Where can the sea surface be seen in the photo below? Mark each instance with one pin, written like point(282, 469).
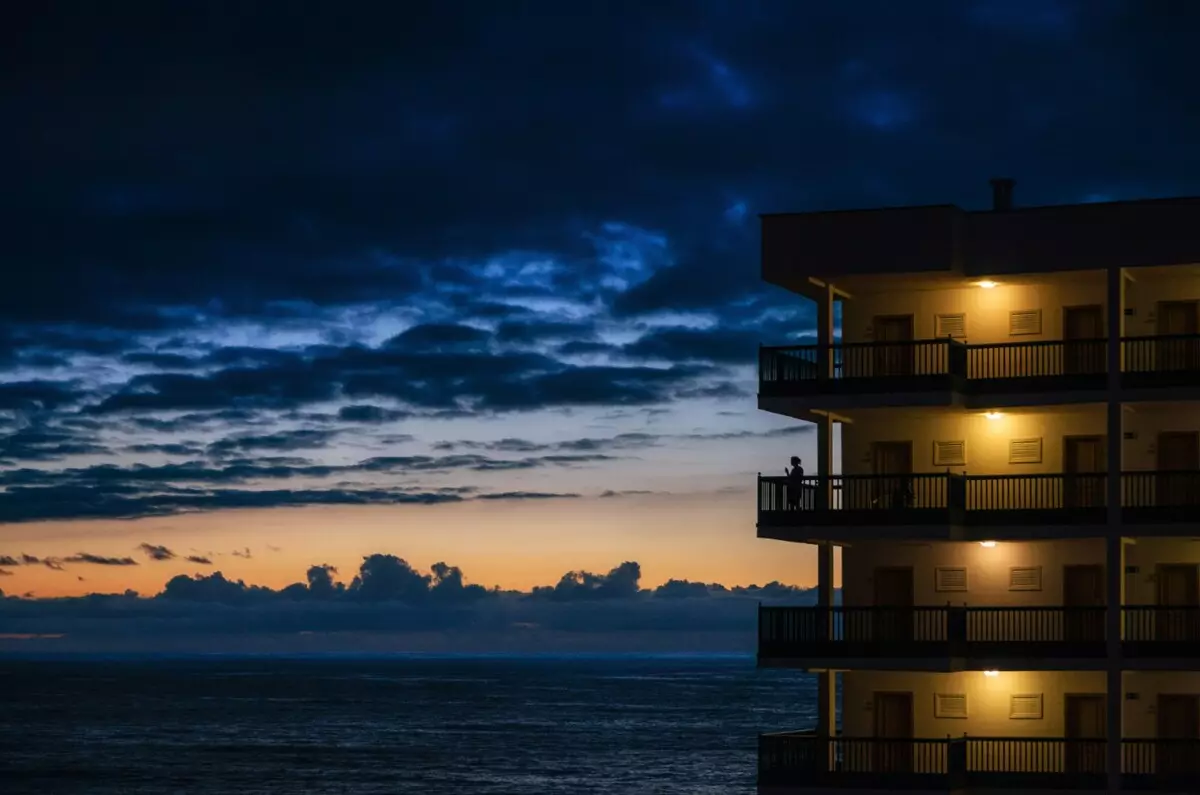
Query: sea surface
point(628, 725)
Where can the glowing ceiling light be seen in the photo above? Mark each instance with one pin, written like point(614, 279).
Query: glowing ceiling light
point(987, 544)
point(987, 284)
point(992, 415)
point(991, 673)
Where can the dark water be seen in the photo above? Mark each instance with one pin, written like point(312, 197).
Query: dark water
point(406, 725)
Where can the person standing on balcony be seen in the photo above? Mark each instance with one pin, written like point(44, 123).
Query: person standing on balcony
point(795, 484)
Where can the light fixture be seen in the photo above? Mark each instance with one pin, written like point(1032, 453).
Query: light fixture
point(991, 673)
point(992, 415)
point(987, 284)
point(987, 544)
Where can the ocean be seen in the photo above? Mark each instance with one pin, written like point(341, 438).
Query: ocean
point(622, 724)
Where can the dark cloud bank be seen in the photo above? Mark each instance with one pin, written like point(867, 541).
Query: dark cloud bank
point(389, 606)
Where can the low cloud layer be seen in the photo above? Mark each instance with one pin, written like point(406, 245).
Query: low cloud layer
point(387, 595)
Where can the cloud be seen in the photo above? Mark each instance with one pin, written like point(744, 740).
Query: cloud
point(328, 275)
point(156, 551)
point(525, 495)
point(99, 560)
point(242, 553)
point(200, 559)
point(387, 595)
point(5, 573)
point(371, 414)
point(282, 441)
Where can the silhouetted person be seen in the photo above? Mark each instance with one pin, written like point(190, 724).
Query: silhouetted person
point(795, 484)
point(904, 493)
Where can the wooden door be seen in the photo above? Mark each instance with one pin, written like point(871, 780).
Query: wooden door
point(1178, 463)
point(1178, 587)
point(1084, 348)
point(1176, 321)
point(1087, 728)
point(1178, 722)
point(893, 733)
point(1083, 595)
point(892, 466)
point(894, 351)
point(894, 598)
point(1084, 466)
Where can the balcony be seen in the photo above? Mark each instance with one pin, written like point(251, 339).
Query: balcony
point(797, 761)
point(935, 366)
point(993, 370)
point(817, 634)
point(822, 636)
point(1161, 362)
point(1160, 497)
point(862, 368)
point(1162, 632)
point(1022, 503)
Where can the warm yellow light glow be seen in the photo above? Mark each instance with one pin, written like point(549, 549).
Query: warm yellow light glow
point(993, 415)
point(991, 673)
point(988, 544)
point(987, 284)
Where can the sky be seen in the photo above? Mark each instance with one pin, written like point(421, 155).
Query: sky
point(478, 283)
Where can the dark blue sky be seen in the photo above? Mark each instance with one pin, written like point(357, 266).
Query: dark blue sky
point(429, 254)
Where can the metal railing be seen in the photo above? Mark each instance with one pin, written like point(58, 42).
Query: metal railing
point(976, 493)
point(1160, 489)
point(857, 492)
point(800, 757)
point(808, 364)
point(1038, 358)
point(1163, 353)
point(1162, 624)
point(783, 627)
point(856, 360)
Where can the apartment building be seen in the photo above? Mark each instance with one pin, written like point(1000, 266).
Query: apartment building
point(1017, 508)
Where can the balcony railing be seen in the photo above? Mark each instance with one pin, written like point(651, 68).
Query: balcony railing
point(930, 632)
point(939, 364)
point(1161, 631)
point(804, 760)
point(984, 633)
point(1160, 496)
point(982, 500)
point(1161, 361)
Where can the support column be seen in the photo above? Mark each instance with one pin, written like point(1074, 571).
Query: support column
point(1114, 597)
point(826, 680)
point(824, 462)
point(1113, 543)
point(1115, 701)
point(825, 301)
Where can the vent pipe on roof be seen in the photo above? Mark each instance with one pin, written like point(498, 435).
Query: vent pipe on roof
point(1002, 194)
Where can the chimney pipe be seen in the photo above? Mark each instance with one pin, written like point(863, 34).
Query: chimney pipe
point(1002, 194)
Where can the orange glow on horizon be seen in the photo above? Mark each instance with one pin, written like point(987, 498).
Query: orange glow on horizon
point(702, 537)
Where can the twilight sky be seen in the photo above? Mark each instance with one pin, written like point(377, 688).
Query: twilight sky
point(478, 282)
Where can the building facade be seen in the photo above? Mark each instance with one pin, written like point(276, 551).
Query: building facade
point(1016, 513)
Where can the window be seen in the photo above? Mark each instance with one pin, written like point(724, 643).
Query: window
point(1026, 706)
point(949, 705)
point(950, 578)
point(1025, 451)
point(1025, 578)
point(950, 453)
point(949, 325)
point(1024, 322)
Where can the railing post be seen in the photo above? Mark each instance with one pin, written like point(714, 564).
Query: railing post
point(956, 761)
point(956, 625)
point(956, 358)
